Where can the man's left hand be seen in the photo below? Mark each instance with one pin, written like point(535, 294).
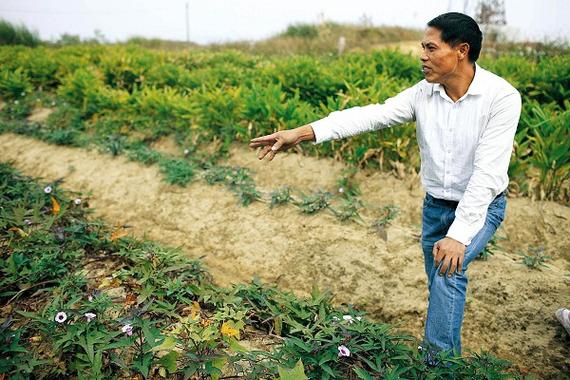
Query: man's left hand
point(450, 253)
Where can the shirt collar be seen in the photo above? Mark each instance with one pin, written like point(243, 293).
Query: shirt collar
point(475, 88)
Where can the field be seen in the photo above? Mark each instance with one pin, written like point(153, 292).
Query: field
point(156, 141)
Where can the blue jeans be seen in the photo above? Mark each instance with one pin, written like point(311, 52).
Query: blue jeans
point(447, 294)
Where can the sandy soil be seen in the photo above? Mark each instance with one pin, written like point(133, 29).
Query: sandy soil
point(509, 311)
point(413, 47)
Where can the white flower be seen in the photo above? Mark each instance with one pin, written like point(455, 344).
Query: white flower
point(343, 351)
point(77, 201)
point(186, 152)
point(16, 102)
point(90, 316)
point(60, 317)
point(348, 318)
point(23, 93)
point(53, 103)
point(90, 298)
point(47, 189)
point(127, 329)
point(341, 190)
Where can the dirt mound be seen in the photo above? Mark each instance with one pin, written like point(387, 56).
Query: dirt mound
point(510, 309)
point(40, 114)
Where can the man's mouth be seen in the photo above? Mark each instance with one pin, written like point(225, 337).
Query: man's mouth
point(426, 69)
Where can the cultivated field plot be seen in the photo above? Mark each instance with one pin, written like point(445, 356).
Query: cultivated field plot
point(157, 144)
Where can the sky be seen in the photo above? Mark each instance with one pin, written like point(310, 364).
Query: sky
point(230, 20)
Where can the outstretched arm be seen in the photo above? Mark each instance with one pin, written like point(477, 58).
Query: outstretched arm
point(282, 140)
point(340, 124)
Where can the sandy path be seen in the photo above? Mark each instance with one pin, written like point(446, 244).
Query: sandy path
point(509, 309)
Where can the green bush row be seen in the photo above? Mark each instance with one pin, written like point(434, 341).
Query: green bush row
point(231, 96)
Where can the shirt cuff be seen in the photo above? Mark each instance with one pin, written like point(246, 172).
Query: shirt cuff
point(322, 130)
point(461, 232)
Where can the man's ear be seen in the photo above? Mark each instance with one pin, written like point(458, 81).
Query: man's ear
point(463, 50)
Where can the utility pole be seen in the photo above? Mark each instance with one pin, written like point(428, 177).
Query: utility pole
point(187, 26)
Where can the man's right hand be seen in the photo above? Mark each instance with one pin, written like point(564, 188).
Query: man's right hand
point(281, 141)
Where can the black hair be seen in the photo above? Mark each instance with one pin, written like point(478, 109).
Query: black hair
point(458, 28)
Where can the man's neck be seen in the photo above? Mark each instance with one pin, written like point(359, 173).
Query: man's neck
point(456, 86)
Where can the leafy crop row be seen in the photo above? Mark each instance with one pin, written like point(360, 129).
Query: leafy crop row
point(82, 299)
point(230, 96)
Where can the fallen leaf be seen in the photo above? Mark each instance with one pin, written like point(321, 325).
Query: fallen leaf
point(19, 231)
point(109, 283)
point(119, 233)
point(34, 339)
point(195, 309)
point(55, 205)
point(130, 299)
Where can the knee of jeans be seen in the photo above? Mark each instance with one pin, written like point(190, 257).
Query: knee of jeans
point(495, 219)
point(448, 285)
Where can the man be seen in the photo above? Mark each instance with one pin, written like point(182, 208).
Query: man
point(466, 119)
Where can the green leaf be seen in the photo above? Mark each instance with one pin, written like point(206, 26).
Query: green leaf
point(296, 373)
point(168, 361)
point(234, 345)
point(362, 374)
point(168, 344)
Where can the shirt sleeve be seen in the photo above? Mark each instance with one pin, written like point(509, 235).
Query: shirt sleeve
point(492, 156)
point(352, 121)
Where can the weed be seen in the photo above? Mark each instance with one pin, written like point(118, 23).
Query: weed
point(349, 210)
point(347, 186)
point(113, 144)
point(237, 179)
point(388, 213)
point(280, 196)
point(310, 204)
point(177, 171)
point(535, 258)
point(140, 152)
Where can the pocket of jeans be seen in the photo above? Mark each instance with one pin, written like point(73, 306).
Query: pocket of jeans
point(427, 201)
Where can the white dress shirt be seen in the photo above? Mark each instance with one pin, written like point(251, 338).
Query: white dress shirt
point(465, 146)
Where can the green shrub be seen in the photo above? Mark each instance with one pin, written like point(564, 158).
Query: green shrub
point(301, 30)
point(306, 78)
point(11, 34)
point(14, 84)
